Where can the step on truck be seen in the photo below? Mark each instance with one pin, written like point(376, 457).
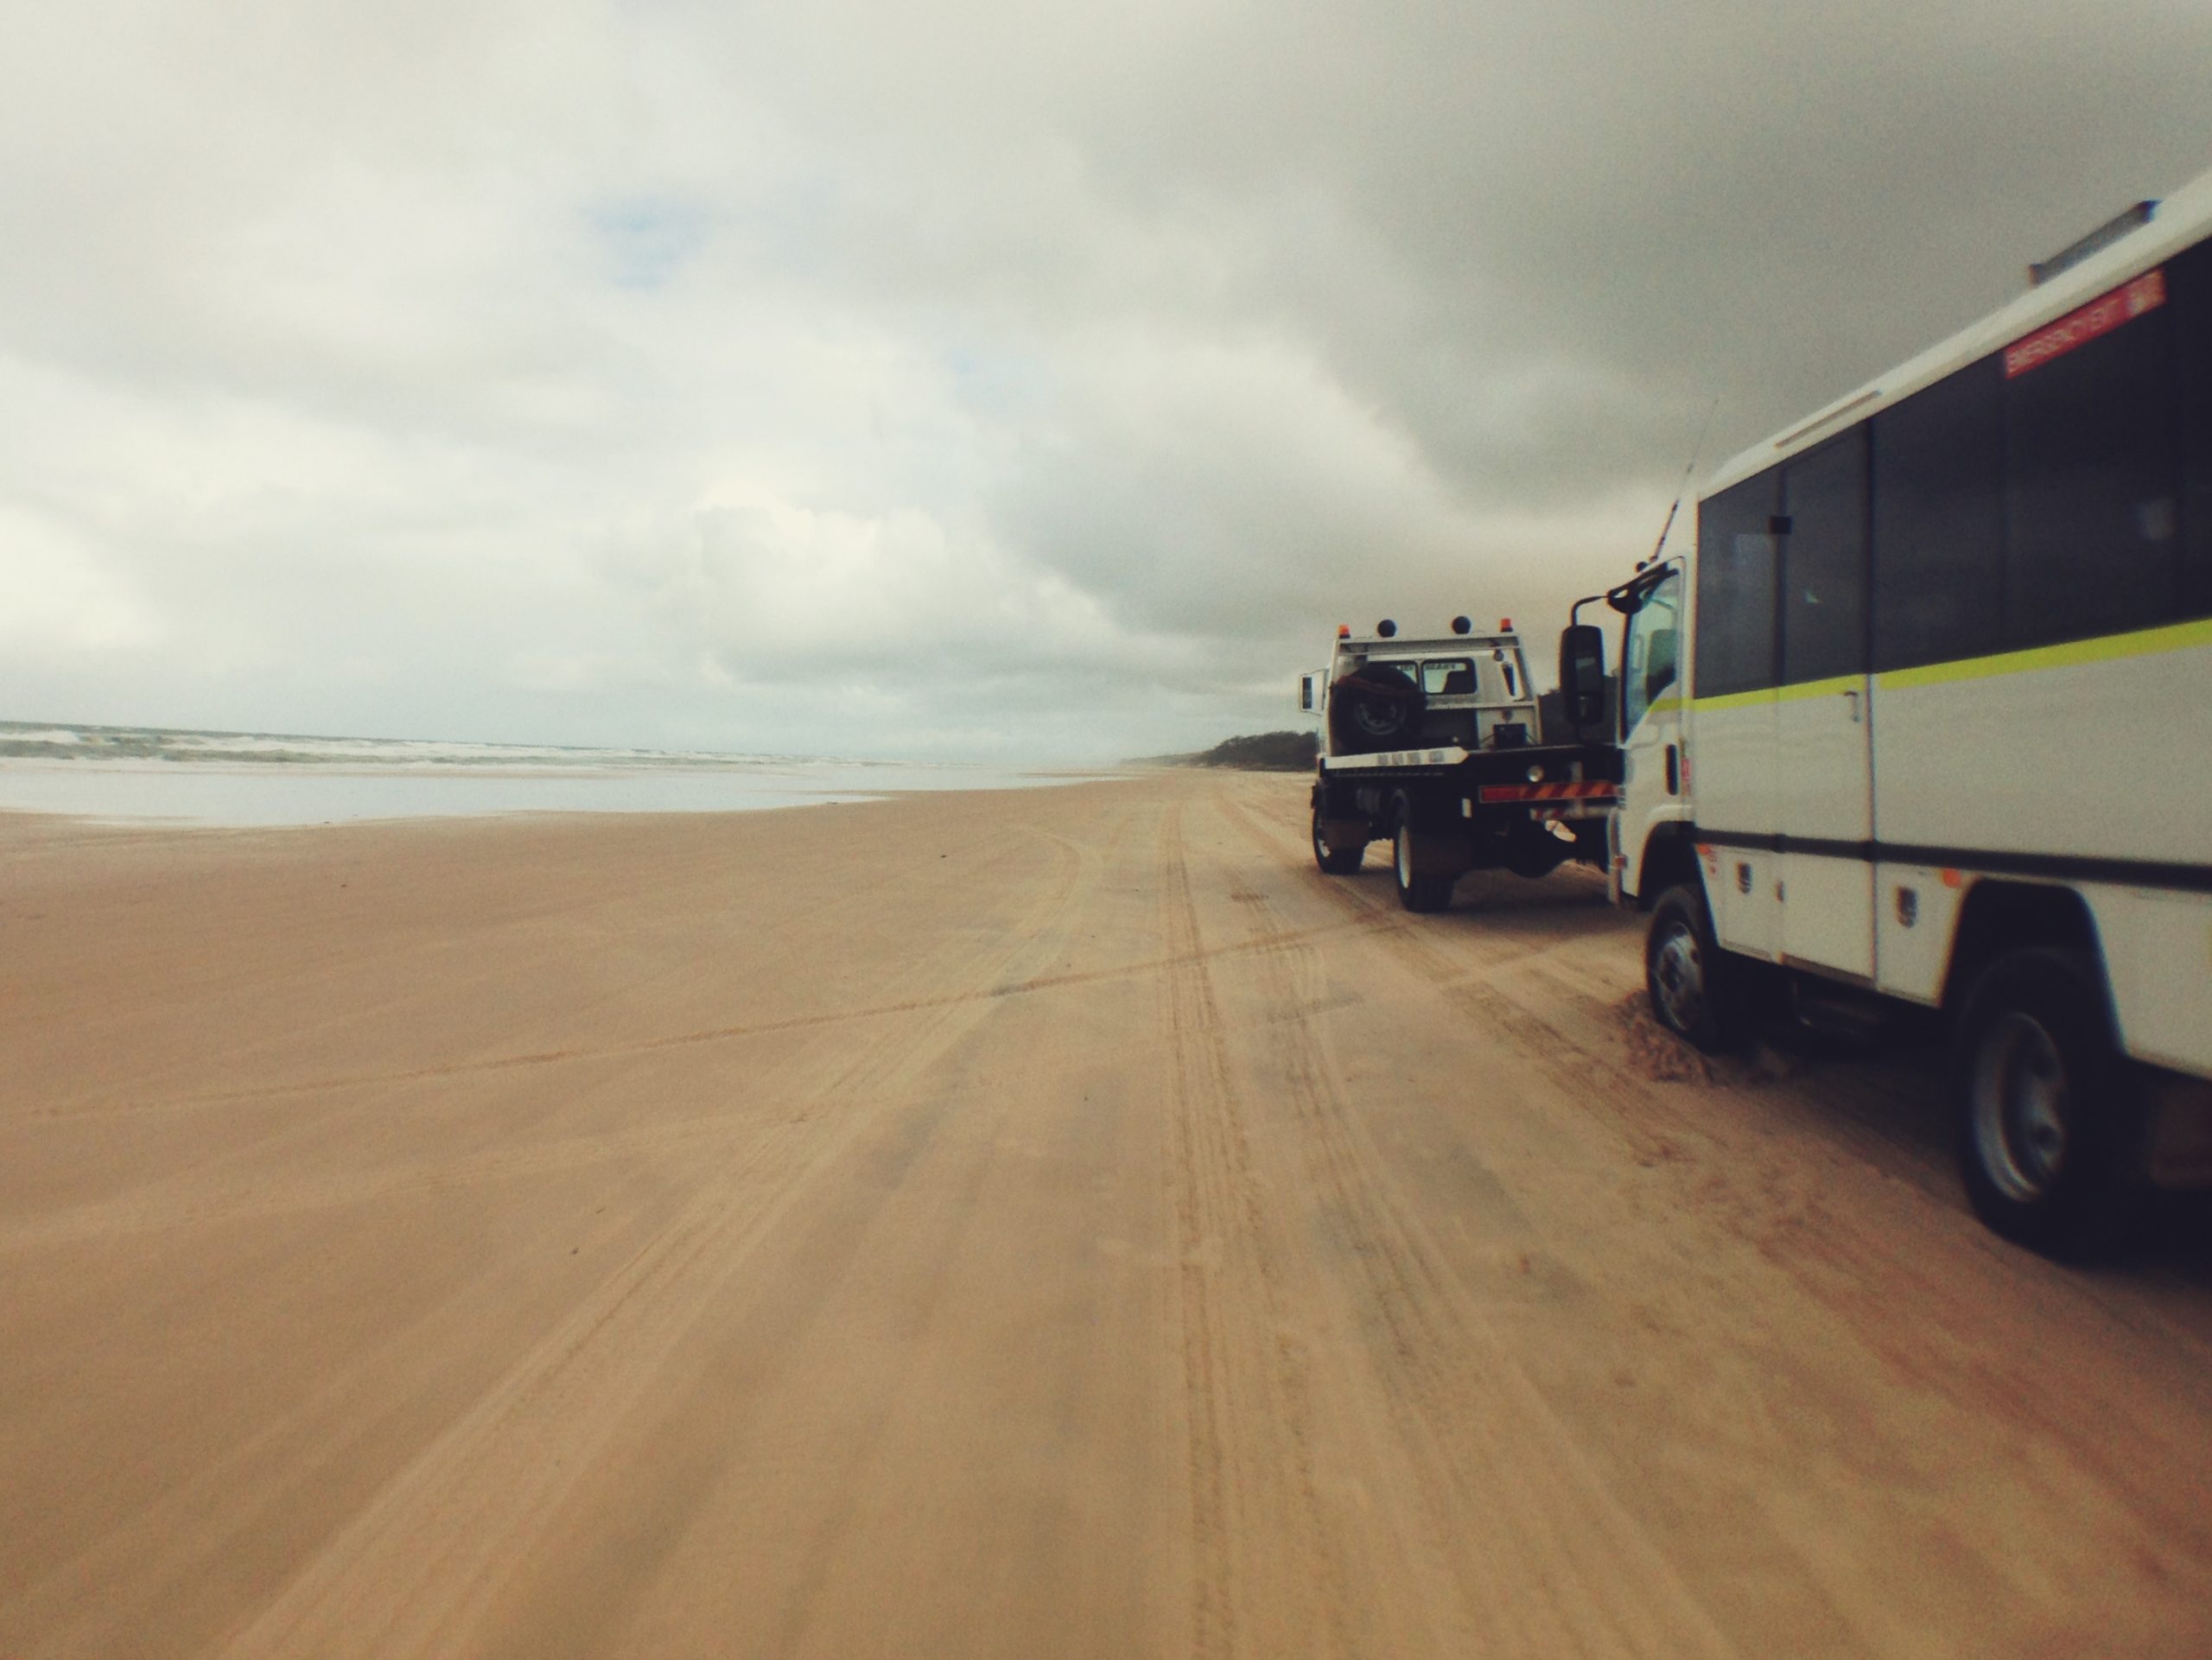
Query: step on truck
point(1916, 715)
point(1435, 745)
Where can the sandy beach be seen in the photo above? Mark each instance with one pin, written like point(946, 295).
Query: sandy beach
point(1047, 1222)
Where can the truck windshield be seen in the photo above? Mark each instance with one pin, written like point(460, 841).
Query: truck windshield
point(1651, 651)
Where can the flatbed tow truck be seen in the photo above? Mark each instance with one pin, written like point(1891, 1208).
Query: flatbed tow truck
point(1435, 745)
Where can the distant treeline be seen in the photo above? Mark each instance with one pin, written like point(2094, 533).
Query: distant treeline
point(1264, 752)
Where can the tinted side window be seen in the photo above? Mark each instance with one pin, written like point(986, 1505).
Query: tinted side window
point(2093, 519)
point(1736, 587)
point(1939, 521)
point(2188, 290)
point(1824, 561)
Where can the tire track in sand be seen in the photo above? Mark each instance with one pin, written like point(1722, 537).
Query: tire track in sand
point(1263, 1582)
point(1519, 1537)
point(339, 966)
point(417, 1567)
point(287, 1194)
point(1377, 923)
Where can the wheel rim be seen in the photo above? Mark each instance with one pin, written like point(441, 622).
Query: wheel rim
point(2021, 1105)
point(1376, 722)
point(1405, 857)
point(1320, 846)
point(1678, 978)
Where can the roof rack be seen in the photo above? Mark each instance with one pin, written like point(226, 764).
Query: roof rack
point(2130, 219)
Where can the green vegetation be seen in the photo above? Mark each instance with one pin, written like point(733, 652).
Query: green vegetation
point(1264, 752)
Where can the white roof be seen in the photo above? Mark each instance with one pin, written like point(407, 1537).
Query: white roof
point(2181, 219)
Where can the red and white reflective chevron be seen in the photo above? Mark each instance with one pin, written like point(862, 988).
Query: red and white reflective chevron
point(1583, 791)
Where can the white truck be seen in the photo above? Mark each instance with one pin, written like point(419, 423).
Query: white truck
point(1920, 719)
point(1434, 744)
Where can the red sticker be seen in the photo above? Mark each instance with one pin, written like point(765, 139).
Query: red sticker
point(2100, 316)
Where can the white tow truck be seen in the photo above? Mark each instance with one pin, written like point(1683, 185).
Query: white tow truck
point(1434, 744)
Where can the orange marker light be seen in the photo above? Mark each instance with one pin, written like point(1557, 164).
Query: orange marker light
point(1505, 625)
point(1344, 631)
point(1953, 877)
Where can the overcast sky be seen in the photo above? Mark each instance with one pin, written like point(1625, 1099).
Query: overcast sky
point(972, 380)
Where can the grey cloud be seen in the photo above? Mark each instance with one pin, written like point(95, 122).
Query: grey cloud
point(990, 377)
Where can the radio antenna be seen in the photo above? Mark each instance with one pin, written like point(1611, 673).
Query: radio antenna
point(1675, 506)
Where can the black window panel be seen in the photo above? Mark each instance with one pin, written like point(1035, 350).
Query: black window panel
point(1939, 521)
point(2092, 488)
point(1824, 561)
point(1736, 587)
point(2188, 292)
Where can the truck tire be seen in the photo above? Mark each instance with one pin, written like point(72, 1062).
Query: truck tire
point(2048, 1112)
point(1334, 862)
point(1535, 852)
point(1423, 894)
point(1695, 991)
point(1375, 709)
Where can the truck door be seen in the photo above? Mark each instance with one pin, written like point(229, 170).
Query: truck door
point(1651, 715)
point(1736, 665)
point(1824, 804)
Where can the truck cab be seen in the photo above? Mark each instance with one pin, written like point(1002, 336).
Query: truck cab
point(1655, 758)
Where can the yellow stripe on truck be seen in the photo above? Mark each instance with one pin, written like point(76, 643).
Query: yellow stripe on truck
point(2107, 648)
point(2148, 642)
point(1840, 683)
point(1735, 700)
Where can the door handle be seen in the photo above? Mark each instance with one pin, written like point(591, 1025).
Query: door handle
point(1852, 698)
point(1674, 772)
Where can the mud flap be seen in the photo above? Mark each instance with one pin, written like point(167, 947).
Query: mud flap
point(1347, 832)
point(1440, 854)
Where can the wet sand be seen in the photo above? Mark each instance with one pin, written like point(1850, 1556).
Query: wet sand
point(1049, 1223)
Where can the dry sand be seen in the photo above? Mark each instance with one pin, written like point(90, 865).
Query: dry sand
point(1057, 1223)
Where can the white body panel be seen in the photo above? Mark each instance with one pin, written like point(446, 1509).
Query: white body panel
point(1732, 782)
point(2108, 759)
point(2159, 949)
point(1912, 956)
point(1823, 792)
point(2048, 753)
point(1645, 784)
point(2010, 761)
point(1451, 755)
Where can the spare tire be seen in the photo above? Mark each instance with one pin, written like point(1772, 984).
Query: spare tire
point(1374, 709)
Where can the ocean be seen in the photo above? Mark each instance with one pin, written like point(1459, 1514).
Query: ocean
point(138, 774)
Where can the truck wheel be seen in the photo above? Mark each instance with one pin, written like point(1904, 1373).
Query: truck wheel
point(1334, 862)
point(1535, 852)
point(1422, 894)
point(1695, 991)
point(2048, 1110)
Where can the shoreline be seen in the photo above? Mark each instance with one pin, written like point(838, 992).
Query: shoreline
point(210, 794)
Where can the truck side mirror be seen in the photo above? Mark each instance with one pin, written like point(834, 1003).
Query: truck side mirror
point(1582, 673)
